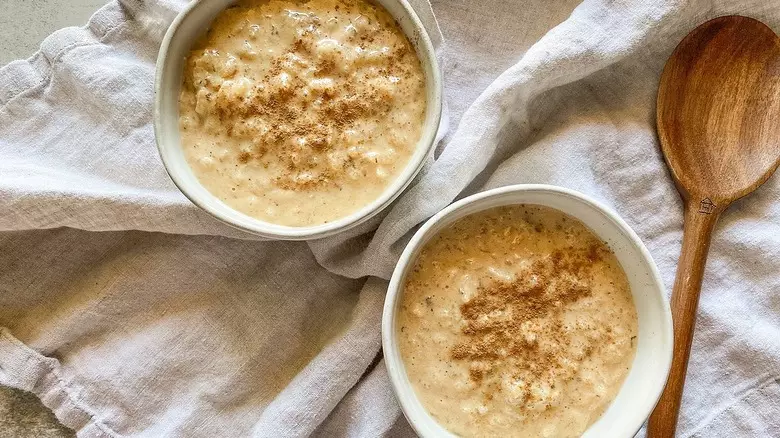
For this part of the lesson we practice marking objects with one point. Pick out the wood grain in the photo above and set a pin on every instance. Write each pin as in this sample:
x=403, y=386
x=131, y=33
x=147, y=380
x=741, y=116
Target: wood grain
x=718, y=116
x=697, y=235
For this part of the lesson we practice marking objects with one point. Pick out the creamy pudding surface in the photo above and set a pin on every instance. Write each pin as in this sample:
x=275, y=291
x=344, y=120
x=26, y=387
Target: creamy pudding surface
x=517, y=321
x=301, y=112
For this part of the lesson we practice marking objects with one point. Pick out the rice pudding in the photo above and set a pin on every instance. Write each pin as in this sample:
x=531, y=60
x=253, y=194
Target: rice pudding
x=301, y=112
x=516, y=321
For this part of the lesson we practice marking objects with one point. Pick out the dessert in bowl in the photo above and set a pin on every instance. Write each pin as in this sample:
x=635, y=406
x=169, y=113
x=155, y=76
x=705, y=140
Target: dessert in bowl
x=526, y=311
x=296, y=119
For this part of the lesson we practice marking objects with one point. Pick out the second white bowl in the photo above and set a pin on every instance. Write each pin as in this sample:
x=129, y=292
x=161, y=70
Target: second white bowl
x=647, y=377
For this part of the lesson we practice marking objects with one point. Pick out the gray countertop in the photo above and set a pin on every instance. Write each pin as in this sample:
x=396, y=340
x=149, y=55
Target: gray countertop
x=22, y=415
x=23, y=25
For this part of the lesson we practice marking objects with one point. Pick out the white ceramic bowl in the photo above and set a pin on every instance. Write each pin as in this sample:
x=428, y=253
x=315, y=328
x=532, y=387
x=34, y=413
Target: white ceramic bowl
x=192, y=22
x=650, y=368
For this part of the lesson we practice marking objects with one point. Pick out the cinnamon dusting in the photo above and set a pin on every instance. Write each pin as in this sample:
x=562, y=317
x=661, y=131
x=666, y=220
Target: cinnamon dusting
x=498, y=318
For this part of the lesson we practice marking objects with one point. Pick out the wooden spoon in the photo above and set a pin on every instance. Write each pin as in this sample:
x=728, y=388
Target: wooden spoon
x=719, y=125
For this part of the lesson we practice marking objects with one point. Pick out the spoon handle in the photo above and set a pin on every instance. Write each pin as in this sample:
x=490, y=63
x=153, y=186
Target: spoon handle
x=700, y=219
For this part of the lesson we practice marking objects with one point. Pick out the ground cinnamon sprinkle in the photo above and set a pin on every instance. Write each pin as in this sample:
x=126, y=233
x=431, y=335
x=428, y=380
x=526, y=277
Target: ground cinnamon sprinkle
x=325, y=67
x=495, y=318
x=288, y=126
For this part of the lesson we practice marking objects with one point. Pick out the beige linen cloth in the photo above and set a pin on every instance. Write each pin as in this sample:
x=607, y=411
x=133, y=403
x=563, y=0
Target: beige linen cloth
x=129, y=312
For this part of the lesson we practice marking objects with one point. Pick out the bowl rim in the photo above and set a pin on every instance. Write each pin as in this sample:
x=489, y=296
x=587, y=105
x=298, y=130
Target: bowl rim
x=425, y=52
x=394, y=363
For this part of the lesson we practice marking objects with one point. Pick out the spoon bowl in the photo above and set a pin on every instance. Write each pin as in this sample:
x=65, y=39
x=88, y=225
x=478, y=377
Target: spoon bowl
x=718, y=119
x=718, y=109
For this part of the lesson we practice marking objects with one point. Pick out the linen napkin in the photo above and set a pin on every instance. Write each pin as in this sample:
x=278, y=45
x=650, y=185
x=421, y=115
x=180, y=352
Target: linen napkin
x=130, y=312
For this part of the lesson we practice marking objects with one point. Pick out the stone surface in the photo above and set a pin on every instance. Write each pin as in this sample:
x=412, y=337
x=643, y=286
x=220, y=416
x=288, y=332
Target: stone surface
x=22, y=415
x=25, y=23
